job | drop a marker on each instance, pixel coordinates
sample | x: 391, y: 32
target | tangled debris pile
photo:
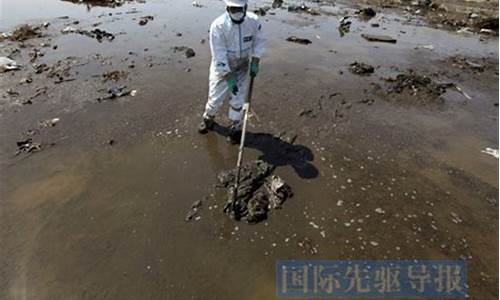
x: 258, y: 191
x: 414, y: 84
x: 25, y: 32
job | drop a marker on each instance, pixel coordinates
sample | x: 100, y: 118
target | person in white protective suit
x: 237, y: 43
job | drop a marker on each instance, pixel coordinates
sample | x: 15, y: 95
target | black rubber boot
x: 206, y: 125
x: 234, y: 134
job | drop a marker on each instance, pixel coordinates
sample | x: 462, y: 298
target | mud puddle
x: 101, y: 213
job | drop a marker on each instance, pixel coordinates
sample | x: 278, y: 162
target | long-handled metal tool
x: 246, y: 110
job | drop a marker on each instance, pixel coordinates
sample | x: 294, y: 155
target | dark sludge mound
x: 258, y: 192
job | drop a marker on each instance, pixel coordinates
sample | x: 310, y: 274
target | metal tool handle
x: 246, y: 109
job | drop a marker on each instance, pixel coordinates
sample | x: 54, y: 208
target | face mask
x: 237, y: 16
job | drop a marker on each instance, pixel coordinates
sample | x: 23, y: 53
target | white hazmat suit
x: 232, y: 46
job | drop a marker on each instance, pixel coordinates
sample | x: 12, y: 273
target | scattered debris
x: 428, y: 47
x: 303, y: 9
x: 344, y: 26
x: 361, y: 68
x: 277, y: 3
x: 189, y: 52
x: 116, y: 92
x: 7, y: 64
x: 298, y: 40
x: 96, y: 33
x: 144, y: 20
x: 196, y: 4
x: 459, y: 89
x: 287, y: 137
x: 105, y: 3
x: 455, y: 218
x: 378, y: 38
x: 49, y: 123
x: 40, y: 68
x: 258, y: 191
x: 309, y: 113
x: 314, y: 225
x: 489, y: 25
x: 261, y: 11
x: 115, y: 75
x: 193, y: 212
x: 28, y: 146
x: 465, y: 63
x: 368, y: 101
x: 68, y: 29
x: 366, y: 13
x: 491, y: 151
x: 25, y: 32
x: 308, y: 246
x: 414, y: 84
x: 61, y: 69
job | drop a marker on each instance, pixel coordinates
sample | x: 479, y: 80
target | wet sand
x: 88, y: 219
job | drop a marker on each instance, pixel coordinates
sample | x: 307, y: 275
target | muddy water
x: 83, y: 219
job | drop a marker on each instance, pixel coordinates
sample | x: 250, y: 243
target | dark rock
x: 144, y: 20
x: 261, y: 11
x: 379, y: 38
x: 277, y: 3
x: 189, y: 52
x: 298, y: 40
x: 366, y: 13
